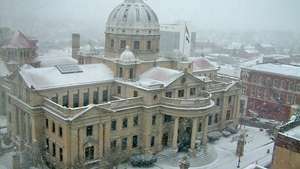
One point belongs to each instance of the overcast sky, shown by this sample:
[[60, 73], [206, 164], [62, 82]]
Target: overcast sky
[[203, 14]]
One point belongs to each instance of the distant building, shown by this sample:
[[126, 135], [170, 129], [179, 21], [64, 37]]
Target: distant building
[[277, 58], [286, 154], [271, 89], [177, 38]]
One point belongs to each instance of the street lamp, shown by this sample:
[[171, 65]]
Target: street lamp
[[240, 147]]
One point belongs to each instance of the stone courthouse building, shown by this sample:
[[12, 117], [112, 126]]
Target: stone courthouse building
[[131, 100]]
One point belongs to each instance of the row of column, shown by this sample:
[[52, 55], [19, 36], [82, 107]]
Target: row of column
[[194, 132]]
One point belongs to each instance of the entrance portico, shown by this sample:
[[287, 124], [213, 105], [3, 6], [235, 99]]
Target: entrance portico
[[192, 125]]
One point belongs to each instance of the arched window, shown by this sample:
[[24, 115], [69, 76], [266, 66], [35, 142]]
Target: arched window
[[89, 153]]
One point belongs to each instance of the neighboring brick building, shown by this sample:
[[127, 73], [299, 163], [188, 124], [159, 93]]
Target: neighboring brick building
[[287, 147], [270, 90]]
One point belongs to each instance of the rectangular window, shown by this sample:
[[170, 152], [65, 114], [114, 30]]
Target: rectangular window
[[130, 73], [53, 149], [53, 127], [89, 131], [76, 100], [113, 125], [167, 118], [95, 97], [152, 141], [125, 123], [228, 115], [153, 119], [209, 120], [149, 45], [112, 43], [113, 145], [181, 93], [229, 99], [218, 102], [135, 141], [216, 118], [47, 123], [135, 93], [120, 72], [89, 153], [168, 94], [136, 45], [124, 143], [192, 91], [136, 120], [47, 145], [65, 100], [60, 131], [105, 95], [86, 99], [199, 127], [119, 90], [61, 157], [123, 44]]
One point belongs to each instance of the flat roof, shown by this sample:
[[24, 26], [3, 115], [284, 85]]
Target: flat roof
[[294, 132], [51, 78], [280, 69]]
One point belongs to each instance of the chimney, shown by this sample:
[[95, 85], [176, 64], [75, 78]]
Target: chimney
[[75, 44]]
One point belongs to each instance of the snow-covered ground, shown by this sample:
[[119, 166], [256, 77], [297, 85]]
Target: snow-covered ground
[[257, 144]]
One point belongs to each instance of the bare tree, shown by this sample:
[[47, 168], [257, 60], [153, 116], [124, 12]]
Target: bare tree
[[114, 159], [79, 164]]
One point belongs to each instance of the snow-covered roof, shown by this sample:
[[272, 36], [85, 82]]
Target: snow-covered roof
[[127, 56], [158, 75], [54, 61], [202, 64], [294, 132], [281, 69], [19, 40], [51, 78]]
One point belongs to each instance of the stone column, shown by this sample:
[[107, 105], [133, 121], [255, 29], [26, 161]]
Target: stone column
[[160, 132], [101, 140], [204, 130], [146, 121], [194, 133], [175, 133], [107, 137]]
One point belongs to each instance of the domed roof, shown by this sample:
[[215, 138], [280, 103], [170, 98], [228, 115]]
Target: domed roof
[[132, 14], [127, 56]]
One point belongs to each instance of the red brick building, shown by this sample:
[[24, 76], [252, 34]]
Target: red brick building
[[270, 90]]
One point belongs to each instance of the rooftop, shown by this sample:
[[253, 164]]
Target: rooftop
[[19, 40], [280, 69], [158, 75], [294, 132], [51, 77], [55, 57], [202, 64]]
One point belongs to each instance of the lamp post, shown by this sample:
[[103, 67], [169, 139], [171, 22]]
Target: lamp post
[[240, 148]]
